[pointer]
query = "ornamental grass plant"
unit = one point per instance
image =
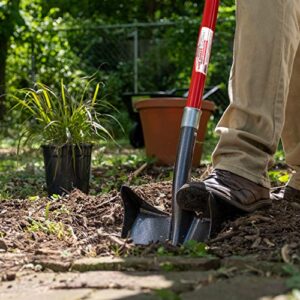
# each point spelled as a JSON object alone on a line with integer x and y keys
{"x": 61, "y": 118}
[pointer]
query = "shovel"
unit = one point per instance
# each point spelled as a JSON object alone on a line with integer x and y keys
{"x": 145, "y": 224}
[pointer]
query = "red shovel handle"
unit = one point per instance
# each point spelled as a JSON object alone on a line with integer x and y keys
{"x": 203, "y": 52}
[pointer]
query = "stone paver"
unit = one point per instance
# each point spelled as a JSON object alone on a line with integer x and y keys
{"x": 176, "y": 281}
{"x": 247, "y": 262}
{"x": 144, "y": 263}
{"x": 38, "y": 281}
{"x": 113, "y": 285}
{"x": 239, "y": 288}
{"x": 113, "y": 294}
{"x": 50, "y": 295}
{"x": 140, "y": 278}
{"x": 54, "y": 265}
{"x": 99, "y": 285}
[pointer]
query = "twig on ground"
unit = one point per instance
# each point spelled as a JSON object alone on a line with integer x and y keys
{"x": 223, "y": 237}
{"x": 106, "y": 202}
{"x": 137, "y": 172}
{"x": 285, "y": 254}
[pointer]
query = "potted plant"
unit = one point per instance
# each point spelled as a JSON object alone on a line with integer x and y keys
{"x": 161, "y": 119}
{"x": 66, "y": 127}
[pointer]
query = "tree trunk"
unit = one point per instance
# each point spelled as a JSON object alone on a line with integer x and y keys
{"x": 7, "y": 27}
{"x": 3, "y": 56}
{"x": 151, "y": 7}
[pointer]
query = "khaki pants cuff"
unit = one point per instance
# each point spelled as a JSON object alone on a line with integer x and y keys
{"x": 265, "y": 182}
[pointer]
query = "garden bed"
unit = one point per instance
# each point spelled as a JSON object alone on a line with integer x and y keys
{"x": 78, "y": 225}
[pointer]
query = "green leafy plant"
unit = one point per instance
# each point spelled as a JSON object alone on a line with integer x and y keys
{"x": 279, "y": 176}
{"x": 165, "y": 294}
{"x": 168, "y": 267}
{"x": 59, "y": 229}
{"x": 191, "y": 249}
{"x": 293, "y": 281}
{"x": 194, "y": 249}
{"x": 47, "y": 210}
{"x": 63, "y": 118}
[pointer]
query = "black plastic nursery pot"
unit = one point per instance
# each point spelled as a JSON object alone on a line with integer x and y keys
{"x": 67, "y": 167}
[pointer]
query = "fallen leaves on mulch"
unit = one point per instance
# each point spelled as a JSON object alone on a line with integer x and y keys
{"x": 79, "y": 225}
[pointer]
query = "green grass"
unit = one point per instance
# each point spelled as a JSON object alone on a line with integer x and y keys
{"x": 293, "y": 273}
{"x": 113, "y": 165}
{"x": 189, "y": 249}
{"x": 23, "y": 176}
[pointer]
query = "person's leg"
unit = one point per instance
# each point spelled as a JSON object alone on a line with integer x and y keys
{"x": 291, "y": 130}
{"x": 266, "y": 41}
{"x": 291, "y": 137}
{"x": 267, "y": 37}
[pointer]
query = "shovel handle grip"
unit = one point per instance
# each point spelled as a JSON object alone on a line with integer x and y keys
{"x": 203, "y": 51}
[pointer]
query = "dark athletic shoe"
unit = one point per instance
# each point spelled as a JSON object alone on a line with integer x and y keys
{"x": 224, "y": 185}
{"x": 286, "y": 193}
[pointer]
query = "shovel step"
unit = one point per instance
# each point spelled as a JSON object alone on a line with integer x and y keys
{"x": 142, "y": 222}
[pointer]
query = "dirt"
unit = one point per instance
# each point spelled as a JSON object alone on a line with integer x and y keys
{"x": 79, "y": 225}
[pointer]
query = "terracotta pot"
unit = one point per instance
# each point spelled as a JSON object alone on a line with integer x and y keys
{"x": 161, "y": 119}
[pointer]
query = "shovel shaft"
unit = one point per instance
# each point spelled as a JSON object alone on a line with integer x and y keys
{"x": 182, "y": 220}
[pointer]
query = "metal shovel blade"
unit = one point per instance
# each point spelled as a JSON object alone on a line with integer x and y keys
{"x": 143, "y": 223}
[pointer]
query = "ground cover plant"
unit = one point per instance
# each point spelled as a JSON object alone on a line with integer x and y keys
{"x": 23, "y": 197}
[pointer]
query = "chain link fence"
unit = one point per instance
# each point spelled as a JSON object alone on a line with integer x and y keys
{"x": 132, "y": 59}
{"x": 147, "y": 54}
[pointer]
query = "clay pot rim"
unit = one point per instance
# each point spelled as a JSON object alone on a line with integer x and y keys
{"x": 170, "y": 102}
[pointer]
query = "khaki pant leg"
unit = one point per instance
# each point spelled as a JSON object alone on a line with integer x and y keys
{"x": 266, "y": 41}
{"x": 291, "y": 129}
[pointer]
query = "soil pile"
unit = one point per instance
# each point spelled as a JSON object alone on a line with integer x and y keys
{"x": 80, "y": 225}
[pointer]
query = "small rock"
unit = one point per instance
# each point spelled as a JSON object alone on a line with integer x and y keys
{"x": 29, "y": 266}
{"x": 115, "y": 285}
{"x": 295, "y": 205}
{"x": 3, "y": 245}
{"x": 24, "y": 224}
{"x": 256, "y": 243}
{"x": 38, "y": 268}
{"x": 9, "y": 277}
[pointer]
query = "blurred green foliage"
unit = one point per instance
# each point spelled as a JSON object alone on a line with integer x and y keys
{"x": 49, "y": 41}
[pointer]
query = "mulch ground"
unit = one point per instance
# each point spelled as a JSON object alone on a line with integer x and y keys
{"x": 79, "y": 225}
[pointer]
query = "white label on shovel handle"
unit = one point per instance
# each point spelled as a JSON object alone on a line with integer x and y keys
{"x": 203, "y": 50}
